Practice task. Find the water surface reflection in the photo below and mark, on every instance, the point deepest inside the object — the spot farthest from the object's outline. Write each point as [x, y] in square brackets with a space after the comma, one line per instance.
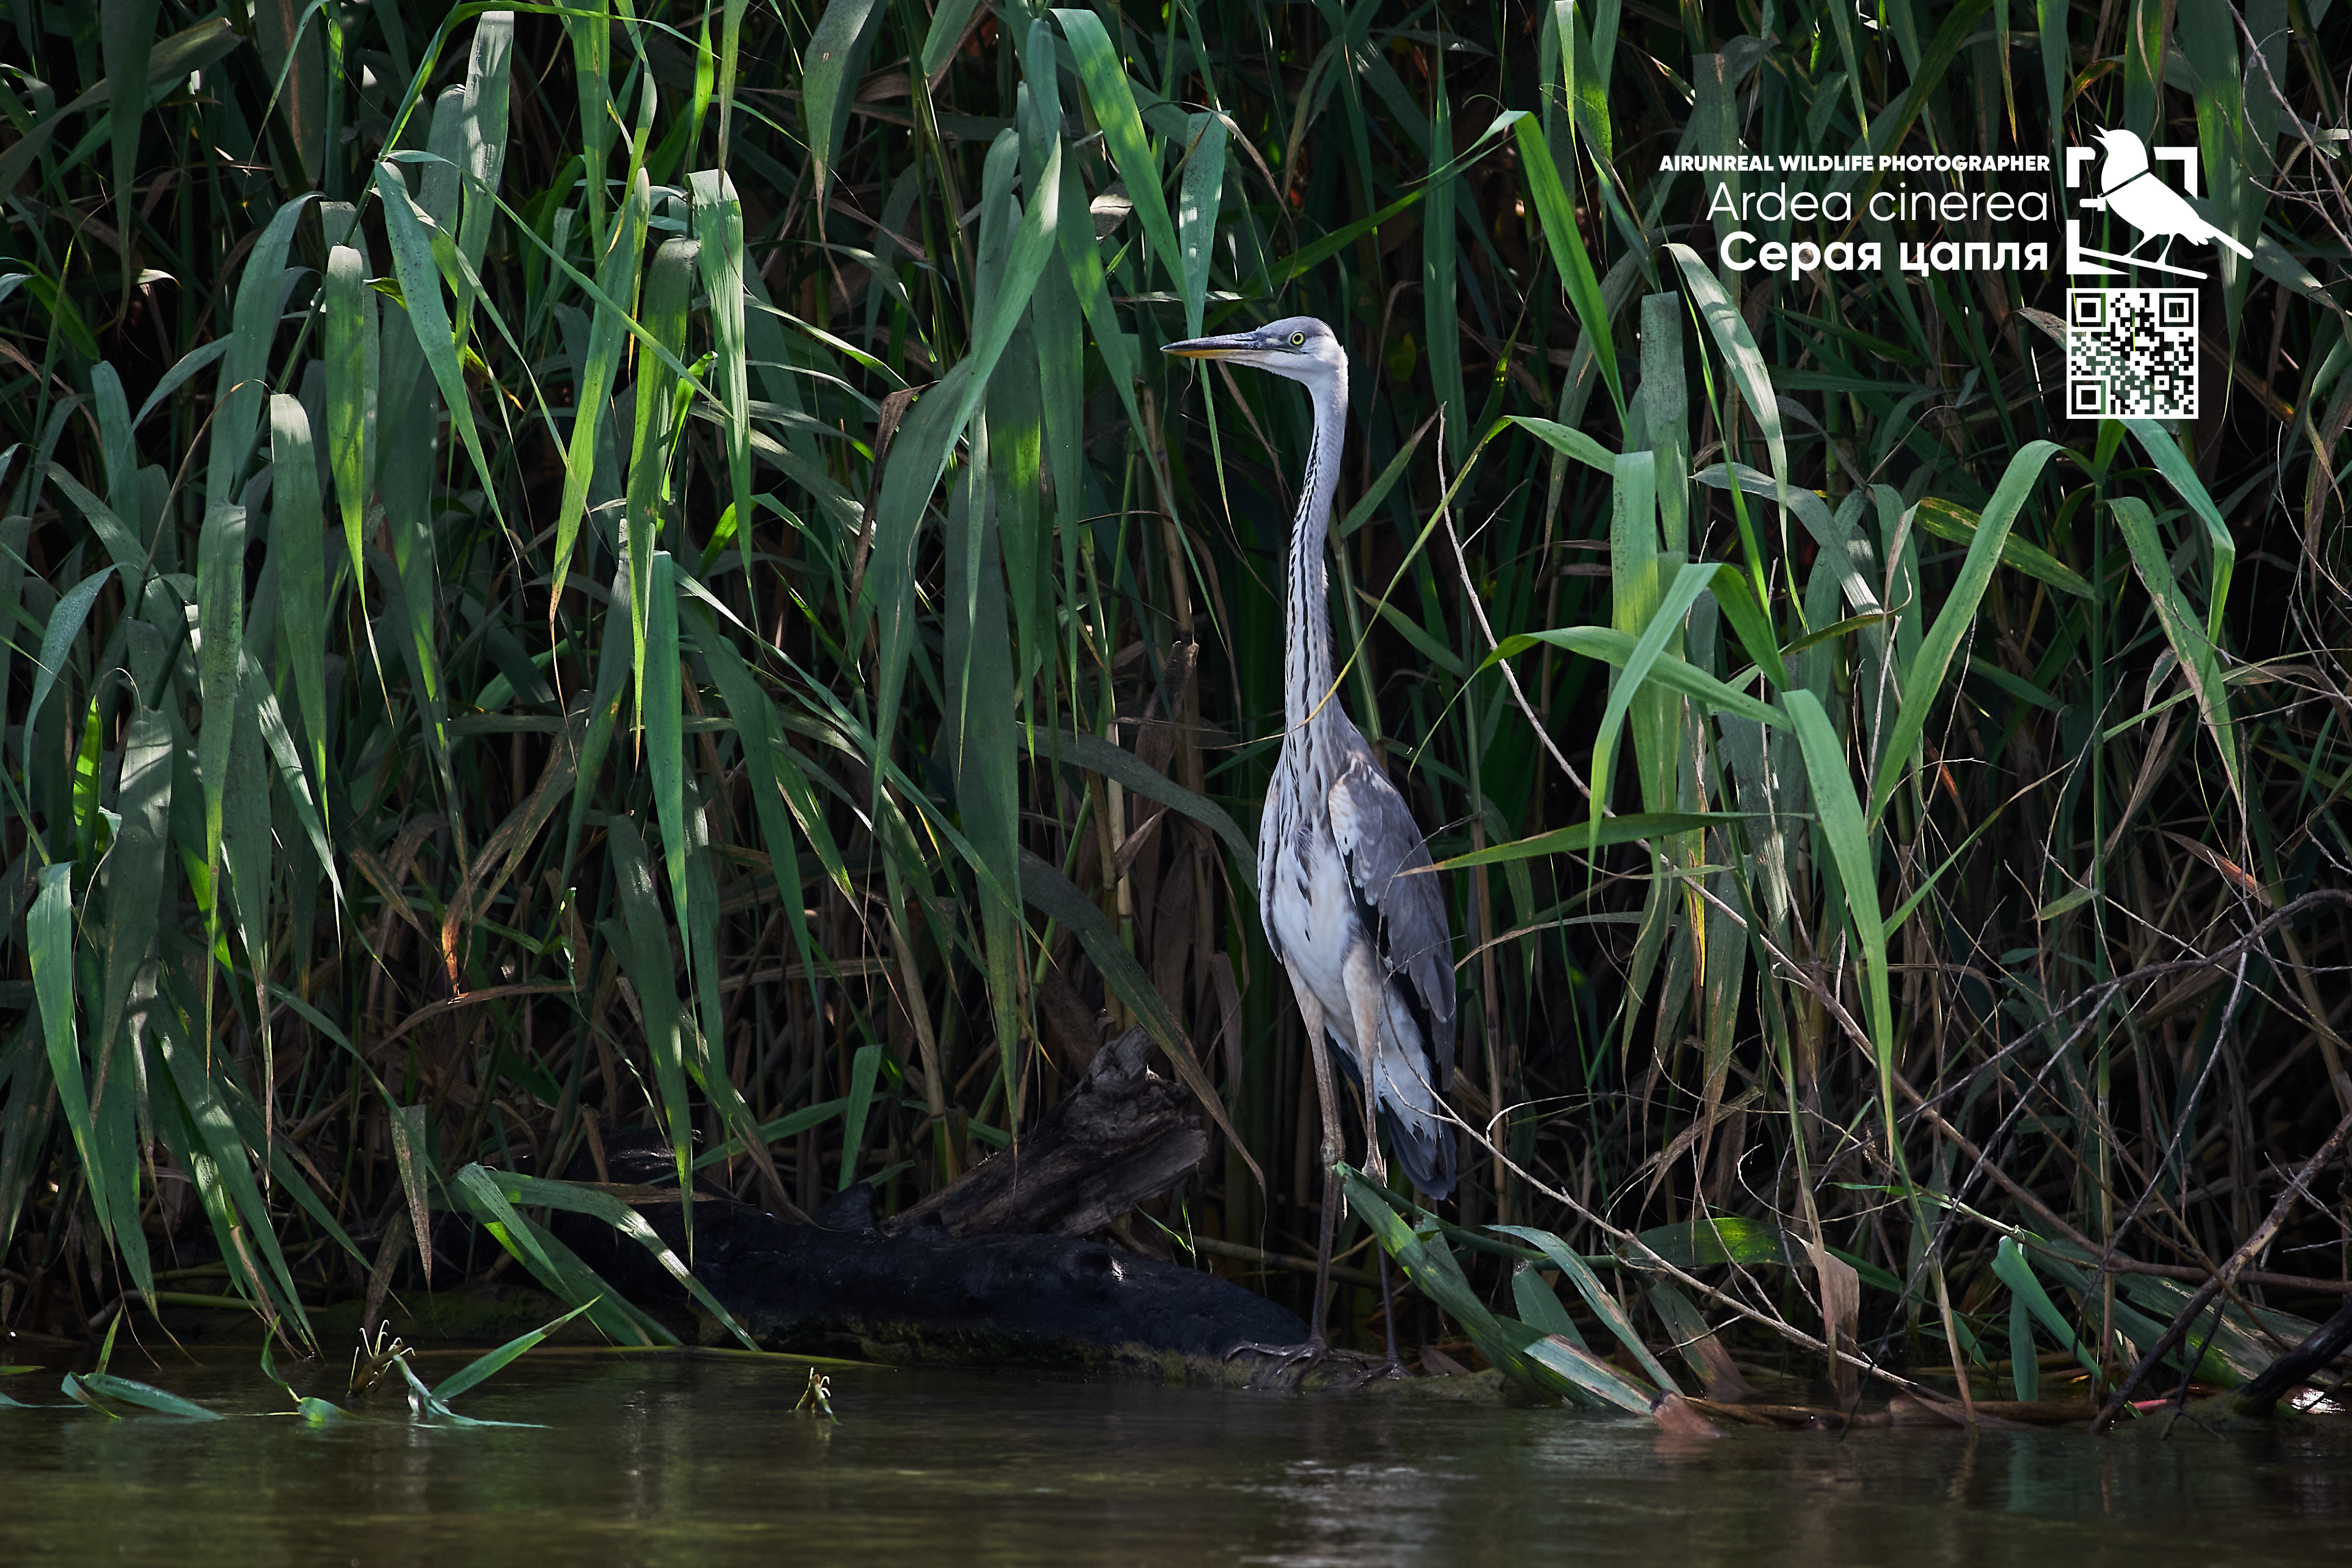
[701, 1463]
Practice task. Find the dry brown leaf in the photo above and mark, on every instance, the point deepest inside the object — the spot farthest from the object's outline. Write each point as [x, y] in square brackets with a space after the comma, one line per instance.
[1841, 1296]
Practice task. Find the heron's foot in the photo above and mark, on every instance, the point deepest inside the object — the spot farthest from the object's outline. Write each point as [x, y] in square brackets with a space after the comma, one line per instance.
[1289, 1364]
[1359, 1371]
[1282, 1361]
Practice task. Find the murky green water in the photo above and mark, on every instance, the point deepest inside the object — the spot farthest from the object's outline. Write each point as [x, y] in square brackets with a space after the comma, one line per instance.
[700, 1463]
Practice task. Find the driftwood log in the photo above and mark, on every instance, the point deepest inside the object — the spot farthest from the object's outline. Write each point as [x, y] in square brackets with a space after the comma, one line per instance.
[2303, 1365]
[993, 1269]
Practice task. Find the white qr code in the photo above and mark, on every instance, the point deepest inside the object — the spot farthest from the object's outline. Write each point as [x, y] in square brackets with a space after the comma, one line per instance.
[2131, 353]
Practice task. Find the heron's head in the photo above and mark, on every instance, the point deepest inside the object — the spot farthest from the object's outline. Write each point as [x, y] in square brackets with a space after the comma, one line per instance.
[1298, 347]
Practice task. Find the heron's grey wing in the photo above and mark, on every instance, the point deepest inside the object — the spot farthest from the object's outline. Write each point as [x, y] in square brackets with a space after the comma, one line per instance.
[1379, 843]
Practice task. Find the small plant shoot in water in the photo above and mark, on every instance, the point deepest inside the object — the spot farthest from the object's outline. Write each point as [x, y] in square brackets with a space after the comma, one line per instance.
[816, 1399]
[371, 1361]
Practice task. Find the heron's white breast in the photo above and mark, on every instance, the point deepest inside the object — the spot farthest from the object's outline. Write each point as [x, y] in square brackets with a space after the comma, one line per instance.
[1312, 907]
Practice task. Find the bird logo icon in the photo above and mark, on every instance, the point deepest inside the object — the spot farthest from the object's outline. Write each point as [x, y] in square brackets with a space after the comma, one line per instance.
[2132, 351]
[2130, 188]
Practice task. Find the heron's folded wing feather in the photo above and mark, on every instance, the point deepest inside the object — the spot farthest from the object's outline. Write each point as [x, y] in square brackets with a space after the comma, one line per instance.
[1274, 826]
[1379, 844]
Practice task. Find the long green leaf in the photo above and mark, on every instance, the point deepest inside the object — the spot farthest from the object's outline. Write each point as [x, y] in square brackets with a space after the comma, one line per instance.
[1108, 94]
[642, 940]
[245, 368]
[1740, 356]
[489, 1365]
[136, 866]
[1614, 647]
[718, 228]
[296, 519]
[2199, 663]
[1308, 256]
[2173, 464]
[116, 532]
[980, 740]
[780, 792]
[1098, 755]
[669, 291]
[1431, 1267]
[1596, 1296]
[1957, 524]
[1749, 622]
[1923, 678]
[553, 1264]
[1665, 622]
[2009, 1266]
[2024, 1360]
[617, 278]
[1590, 1373]
[221, 1162]
[1556, 214]
[540, 1192]
[828, 83]
[352, 366]
[484, 128]
[661, 703]
[1196, 213]
[56, 640]
[1838, 811]
[864, 1069]
[410, 230]
[921, 453]
[220, 621]
[144, 1396]
[782, 1127]
[1631, 827]
[48, 940]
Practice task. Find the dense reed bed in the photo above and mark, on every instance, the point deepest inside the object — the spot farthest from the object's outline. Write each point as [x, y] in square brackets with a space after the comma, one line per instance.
[570, 567]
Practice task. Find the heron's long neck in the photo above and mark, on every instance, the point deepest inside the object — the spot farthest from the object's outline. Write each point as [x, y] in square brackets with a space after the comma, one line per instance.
[1306, 662]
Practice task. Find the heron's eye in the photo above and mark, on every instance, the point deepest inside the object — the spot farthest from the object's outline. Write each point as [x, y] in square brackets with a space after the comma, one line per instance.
[1299, 340]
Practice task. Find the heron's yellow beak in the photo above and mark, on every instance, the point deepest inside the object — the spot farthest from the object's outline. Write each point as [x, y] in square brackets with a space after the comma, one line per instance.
[1223, 347]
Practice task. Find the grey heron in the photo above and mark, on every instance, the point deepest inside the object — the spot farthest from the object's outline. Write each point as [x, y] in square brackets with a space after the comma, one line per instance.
[1369, 949]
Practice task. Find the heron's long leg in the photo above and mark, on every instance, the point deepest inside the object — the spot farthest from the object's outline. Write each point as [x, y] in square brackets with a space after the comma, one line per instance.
[1310, 1013]
[1364, 998]
[1362, 979]
[1395, 1367]
[1318, 1046]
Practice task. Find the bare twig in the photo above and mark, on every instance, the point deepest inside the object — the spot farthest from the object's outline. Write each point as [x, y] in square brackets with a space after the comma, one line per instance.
[2213, 1287]
[1478, 609]
[1643, 1256]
